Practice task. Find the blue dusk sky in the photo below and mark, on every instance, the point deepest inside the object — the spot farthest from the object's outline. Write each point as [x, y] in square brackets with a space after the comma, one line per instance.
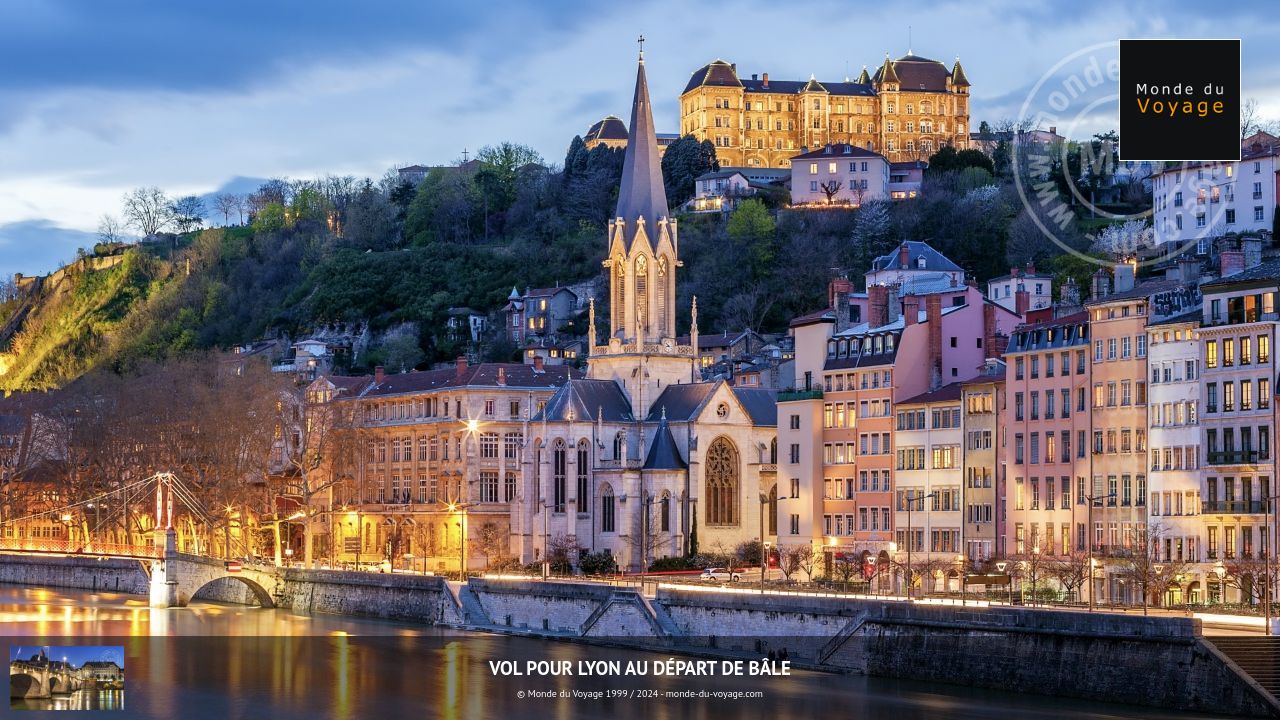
[196, 97]
[77, 655]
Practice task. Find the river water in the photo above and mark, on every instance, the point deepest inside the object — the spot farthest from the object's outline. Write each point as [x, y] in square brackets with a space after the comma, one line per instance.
[227, 661]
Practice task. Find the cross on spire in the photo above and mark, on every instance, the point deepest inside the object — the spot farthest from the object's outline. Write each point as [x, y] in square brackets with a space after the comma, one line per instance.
[640, 42]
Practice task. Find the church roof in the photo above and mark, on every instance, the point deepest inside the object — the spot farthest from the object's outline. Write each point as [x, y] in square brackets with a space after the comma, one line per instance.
[958, 78]
[761, 404]
[664, 454]
[583, 400]
[642, 193]
[681, 402]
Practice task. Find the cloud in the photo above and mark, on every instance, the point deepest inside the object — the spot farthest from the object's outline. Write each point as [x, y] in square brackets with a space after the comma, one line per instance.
[33, 247]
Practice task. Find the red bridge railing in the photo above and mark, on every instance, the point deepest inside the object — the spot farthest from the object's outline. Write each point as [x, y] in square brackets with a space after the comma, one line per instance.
[77, 547]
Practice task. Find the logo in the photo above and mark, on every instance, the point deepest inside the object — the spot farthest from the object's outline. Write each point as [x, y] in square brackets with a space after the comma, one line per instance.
[1180, 100]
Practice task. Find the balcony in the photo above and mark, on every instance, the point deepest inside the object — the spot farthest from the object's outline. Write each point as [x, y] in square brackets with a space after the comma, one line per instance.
[1234, 457]
[1231, 507]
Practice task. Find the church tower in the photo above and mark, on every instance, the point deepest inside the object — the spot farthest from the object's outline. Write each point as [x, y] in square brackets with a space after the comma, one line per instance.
[642, 352]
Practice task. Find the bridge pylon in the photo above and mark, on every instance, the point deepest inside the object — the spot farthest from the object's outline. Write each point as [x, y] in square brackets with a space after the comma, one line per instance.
[164, 573]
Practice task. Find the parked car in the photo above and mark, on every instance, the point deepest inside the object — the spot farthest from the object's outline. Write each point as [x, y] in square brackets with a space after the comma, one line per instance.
[720, 575]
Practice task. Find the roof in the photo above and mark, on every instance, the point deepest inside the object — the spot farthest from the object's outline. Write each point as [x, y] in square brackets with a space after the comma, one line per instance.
[1033, 336]
[933, 260]
[352, 384]
[548, 292]
[958, 78]
[946, 393]
[642, 194]
[588, 400]
[664, 454]
[838, 150]
[610, 128]
[719, 73]
[750, 173]
[824, 315]
[716, 340]
[760, 404]
[909, 165]
[516, 375]
[1267, 271]
[680, 402]
[913, 72]
[1140, 290]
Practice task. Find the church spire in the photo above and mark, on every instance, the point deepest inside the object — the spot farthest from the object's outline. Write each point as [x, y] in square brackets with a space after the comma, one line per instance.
[642, 193]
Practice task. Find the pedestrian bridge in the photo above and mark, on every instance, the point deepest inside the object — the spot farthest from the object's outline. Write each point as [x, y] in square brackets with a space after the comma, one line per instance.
[177, 577]
[43, 679]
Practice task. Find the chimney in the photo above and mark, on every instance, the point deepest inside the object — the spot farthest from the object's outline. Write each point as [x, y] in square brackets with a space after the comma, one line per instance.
[461, 365]
[893, 304]
[1014, 272]
[766, 81]
[734, 66]
[538, 363]
[933, 315]
[1123, 278]
[1189, 270]
[502, 376]
[1053, 129]
[1252, 249]
[837, 287]
[910, 310]
[877, 305]
[1031, 268]
[1070, 294]
[1021, 302]
[1100, 285]
[842, 311]
[1230, 262]
[378, 374]
[989, 330]
[904, 256]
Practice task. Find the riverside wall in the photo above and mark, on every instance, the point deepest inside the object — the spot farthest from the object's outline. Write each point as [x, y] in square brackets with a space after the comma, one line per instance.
[1153, 661]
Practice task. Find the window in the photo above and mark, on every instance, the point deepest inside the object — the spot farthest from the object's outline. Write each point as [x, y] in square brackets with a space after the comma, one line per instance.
[722, 483]
[488, 446]
[607, 519]
[558, 463]
[583, 462]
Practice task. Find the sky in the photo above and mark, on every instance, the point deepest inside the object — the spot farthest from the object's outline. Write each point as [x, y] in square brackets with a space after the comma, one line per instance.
[77, 655]
[196, 97]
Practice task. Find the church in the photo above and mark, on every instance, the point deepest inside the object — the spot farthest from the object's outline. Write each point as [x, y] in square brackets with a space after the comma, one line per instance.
[641, 458]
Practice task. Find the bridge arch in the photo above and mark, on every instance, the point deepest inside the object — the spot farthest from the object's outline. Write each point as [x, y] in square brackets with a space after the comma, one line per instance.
[259, 593]
[24, 685]
[57, 686]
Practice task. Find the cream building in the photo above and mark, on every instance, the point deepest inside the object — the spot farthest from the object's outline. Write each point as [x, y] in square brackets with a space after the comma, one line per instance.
[910, 108]
[634, 457]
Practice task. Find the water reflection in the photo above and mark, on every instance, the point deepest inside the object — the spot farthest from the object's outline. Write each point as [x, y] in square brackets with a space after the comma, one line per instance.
[78, 700]
[221, 661]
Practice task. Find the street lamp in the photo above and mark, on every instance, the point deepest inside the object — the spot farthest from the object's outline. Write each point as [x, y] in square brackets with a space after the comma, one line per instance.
[764, 546]
[1221, 571]
[911, 499]
[1159, 571]
[462, 537]
[1089, 531]
[1008, 580]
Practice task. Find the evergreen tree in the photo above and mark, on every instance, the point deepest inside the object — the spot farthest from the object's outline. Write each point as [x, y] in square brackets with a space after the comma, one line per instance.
[682, 163]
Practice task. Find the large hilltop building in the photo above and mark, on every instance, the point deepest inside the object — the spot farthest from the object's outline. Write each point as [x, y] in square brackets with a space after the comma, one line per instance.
[633, 457]
[906, 111]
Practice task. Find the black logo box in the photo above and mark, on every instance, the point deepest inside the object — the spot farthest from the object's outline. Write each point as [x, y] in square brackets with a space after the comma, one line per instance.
[1187, 68]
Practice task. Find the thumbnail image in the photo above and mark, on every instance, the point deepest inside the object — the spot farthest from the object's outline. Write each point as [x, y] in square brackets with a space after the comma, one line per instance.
[73, 677]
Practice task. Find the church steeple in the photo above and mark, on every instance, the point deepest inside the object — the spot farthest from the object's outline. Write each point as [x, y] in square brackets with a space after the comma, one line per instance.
[642, 193]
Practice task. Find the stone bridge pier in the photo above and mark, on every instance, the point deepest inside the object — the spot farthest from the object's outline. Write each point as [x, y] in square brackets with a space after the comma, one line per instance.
[179, 576]
[43, 680]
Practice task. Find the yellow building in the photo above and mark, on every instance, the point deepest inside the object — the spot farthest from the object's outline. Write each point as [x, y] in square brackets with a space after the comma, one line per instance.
[906, 111]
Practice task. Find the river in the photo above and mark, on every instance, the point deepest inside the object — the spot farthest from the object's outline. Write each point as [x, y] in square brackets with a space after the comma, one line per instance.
[227, 661]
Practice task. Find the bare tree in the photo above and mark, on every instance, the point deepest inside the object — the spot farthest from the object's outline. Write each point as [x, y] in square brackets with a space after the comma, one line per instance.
[110, 229]
[228, 204]
[317, 446]
[491, 541]
[791, 558]
[1140, 563]
[1071, 571]
[1252, 121]
[148, 210]
[831, 188]
[188, 213]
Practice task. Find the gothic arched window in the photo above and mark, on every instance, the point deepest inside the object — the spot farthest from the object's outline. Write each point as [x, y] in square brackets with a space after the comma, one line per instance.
[584, 459]
[558, 460]
[619, 445]
[642, 296]
[606, 509]
[722, 483]
[664, 513]
[619, 294]
[664, 285]
[773, 510]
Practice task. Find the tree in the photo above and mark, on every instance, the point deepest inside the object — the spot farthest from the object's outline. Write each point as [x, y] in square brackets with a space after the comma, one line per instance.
[831, 188]
[1124, 240]
[370, 220]
[562, 551]
[492, 541]
[684, 160]
[228, 204]
[1252, 121]
[792, 558]
[1140, 563]
[754, 233]
[320, 441]
[110, 230]
[401, 351]
[872, 235]
[188, 213]
[1071, 571]
[148, 210]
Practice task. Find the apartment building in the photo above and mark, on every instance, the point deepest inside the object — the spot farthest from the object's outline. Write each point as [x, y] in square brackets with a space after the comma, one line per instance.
[929, 484]
[1237, 337]
[1173, 419]
[982, 415]
[1046, 430]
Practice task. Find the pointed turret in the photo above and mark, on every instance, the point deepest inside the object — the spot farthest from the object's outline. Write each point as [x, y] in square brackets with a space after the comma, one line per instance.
[664, 454]
[957, 75]
[864, 78]
[886, 73]
[642, 193]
